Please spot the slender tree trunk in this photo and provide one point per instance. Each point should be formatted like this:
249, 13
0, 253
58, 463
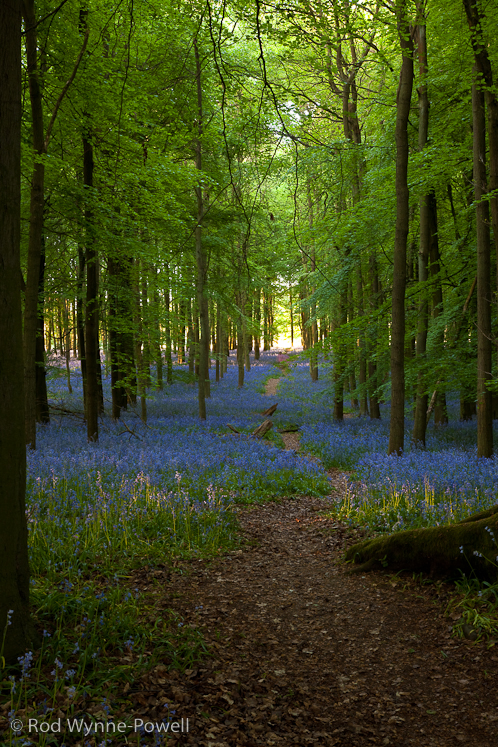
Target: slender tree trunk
14, 564
397, 423
31, 299
92, 298
42, 409
257, 324
120, 332
80, 316
483, 69
200, 255
363, 360
420, 424
313, 332
440, 411
67, 334
291, 317
484, 345
240, 353
218, 342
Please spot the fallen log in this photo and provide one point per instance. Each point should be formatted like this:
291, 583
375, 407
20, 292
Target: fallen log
291, 428
270, 410
233, 428
262, 429
467, 547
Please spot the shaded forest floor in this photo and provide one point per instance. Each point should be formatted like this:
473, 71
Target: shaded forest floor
301, 653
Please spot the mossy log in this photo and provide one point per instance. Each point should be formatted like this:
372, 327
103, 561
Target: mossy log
262, 429
435, 550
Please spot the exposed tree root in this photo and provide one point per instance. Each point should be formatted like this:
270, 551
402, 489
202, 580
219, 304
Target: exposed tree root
435, 550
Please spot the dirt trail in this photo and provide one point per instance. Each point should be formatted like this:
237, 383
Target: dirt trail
303, 654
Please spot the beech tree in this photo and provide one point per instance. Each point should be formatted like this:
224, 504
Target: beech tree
14, 566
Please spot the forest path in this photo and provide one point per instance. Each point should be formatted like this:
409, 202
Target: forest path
303, 654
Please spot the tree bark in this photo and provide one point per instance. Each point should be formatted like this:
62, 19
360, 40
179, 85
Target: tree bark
483, 69
420, 424
484, 345
372, 364
31, 299
440, 411
397, 422
92, 298
41, 400
14, 565
440, 551
200, 255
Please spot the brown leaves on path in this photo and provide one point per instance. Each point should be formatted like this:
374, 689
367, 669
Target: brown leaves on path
302, 654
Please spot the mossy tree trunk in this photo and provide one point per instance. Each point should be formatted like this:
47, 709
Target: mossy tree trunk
443, 551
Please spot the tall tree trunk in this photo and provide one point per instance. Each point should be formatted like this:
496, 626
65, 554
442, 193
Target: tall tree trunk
200, 255
484, 70
420, 424
92, 298
313, 332
397, 422
120, 331
67, 334
14, 564
484, 345
363, 361
139, 355
257, 323
80, 318
41, 404
440, 411
291, 317
240, 352
218, 342
31, 299
373, 383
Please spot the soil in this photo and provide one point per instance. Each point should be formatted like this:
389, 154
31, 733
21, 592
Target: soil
303, 654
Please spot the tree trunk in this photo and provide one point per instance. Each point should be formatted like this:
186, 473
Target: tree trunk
484, 345
31, 299
14, 565
362, 361
372, 364
440, 411
420, 424
67, 334
92, 299
120, 328
483, 70
200, 255
446, 551
41, 404
397, 423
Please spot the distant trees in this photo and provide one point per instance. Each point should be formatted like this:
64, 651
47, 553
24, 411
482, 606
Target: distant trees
189, 186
